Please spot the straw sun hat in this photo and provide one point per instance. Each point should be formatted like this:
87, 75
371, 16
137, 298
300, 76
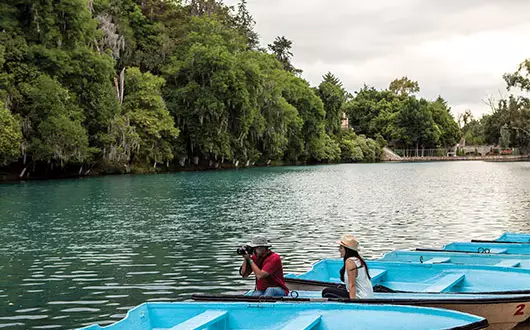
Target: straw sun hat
349, 242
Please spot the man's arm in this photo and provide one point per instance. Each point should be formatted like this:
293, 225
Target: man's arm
258, 272
245, 269
253, 268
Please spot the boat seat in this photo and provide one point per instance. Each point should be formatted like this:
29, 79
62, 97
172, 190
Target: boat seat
437, 260
377, 275
303, 322
445, 283
203, 320
509, 263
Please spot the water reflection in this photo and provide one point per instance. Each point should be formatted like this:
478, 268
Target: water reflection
76, 252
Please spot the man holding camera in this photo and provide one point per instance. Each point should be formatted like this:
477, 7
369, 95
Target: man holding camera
267, 267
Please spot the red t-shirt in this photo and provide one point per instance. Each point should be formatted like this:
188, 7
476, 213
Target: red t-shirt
272, 264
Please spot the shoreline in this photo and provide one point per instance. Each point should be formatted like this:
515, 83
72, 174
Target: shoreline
11, 175
493, 158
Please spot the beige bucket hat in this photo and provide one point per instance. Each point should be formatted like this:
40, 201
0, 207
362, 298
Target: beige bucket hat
259, 241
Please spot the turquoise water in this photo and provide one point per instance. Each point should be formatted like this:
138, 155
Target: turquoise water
75, 252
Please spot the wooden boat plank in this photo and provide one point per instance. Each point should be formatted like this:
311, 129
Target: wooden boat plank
445, 283
202, 320
303, 322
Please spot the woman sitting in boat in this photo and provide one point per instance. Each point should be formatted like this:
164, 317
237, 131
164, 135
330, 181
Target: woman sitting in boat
354, 273
266, 266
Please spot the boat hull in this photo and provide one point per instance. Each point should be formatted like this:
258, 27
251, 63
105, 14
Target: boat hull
509, 238
425, 278
485, 247
502, 312
496, 260
269, 316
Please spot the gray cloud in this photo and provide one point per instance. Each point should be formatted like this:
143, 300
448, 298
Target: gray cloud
457, 49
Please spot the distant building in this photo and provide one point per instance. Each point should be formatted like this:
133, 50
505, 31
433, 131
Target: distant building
344, 124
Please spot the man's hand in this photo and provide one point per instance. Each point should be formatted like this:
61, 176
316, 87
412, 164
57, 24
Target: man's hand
246, 256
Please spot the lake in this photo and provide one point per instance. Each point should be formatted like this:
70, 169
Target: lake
76, 252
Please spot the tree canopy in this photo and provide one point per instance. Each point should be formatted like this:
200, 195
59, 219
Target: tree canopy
148, 85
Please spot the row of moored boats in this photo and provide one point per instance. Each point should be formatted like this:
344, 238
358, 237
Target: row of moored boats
464, 285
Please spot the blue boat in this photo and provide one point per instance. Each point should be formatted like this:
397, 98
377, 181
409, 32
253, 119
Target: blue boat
509, 238
503, 312
221, 316
484, 247
428, 257
417, 277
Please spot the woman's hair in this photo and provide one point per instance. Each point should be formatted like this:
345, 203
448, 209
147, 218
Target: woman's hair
352, 253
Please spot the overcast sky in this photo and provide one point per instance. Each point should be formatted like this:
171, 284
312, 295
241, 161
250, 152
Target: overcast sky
458, 49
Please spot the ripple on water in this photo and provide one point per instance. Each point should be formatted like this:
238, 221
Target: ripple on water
100, 246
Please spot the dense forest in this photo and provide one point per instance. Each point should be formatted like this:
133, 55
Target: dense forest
154, 85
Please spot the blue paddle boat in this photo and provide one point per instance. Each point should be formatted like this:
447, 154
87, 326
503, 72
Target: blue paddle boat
417, 277
329, 316
441, 257
503, 312
509, 238
484, 247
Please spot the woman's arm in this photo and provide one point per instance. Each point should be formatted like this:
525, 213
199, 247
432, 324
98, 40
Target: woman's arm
351, 269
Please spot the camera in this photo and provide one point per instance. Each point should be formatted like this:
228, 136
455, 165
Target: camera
245, 249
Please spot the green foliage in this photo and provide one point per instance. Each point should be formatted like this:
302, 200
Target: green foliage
53, 128
358, 148
509, 123
404, 86
416, 126
245, 23
207, 86
521, 78
311, 110
333, 96
474, 132
145, 110
450, 133
130, 84
10, 136
281, 48
402, 119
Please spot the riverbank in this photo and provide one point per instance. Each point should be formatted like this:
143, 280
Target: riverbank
507, 158
13, 173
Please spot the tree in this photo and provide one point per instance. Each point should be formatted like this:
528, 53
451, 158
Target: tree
144, 107
404, 86
520, 78
281, 48
372, 112
311, 110
449, 131
53, 130
207, 86
333, 96
416, 126
245, 23
10, 136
